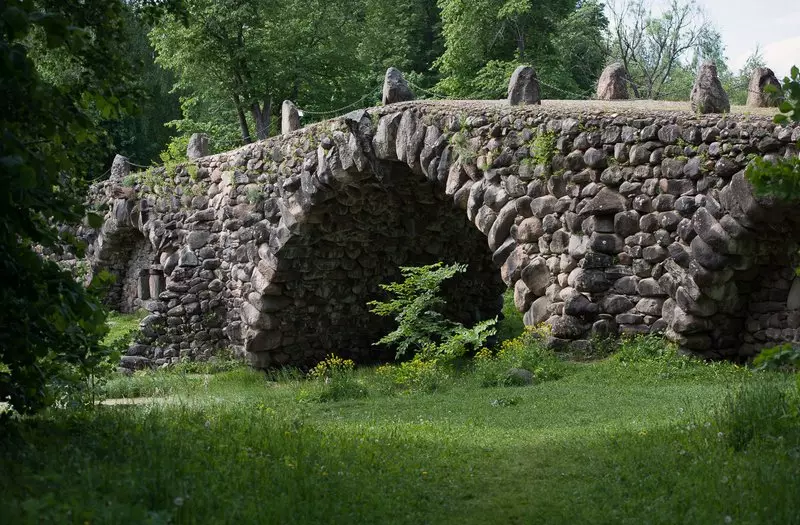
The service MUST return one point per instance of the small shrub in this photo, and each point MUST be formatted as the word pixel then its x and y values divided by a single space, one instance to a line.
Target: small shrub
pixel 462 147
pixel 421 326
pixel 254 196
pixel 222 361
pixel 781 357
pixel 332 379
pixel 417 375
pixel 526 352
pixel 511 325
pixel 544 147
pixel 330 367
pixel 645 349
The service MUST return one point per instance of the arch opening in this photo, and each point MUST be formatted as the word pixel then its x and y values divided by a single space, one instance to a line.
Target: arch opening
pixel 348 245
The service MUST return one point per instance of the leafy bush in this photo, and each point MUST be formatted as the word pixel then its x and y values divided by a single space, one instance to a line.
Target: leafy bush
pixel 526 352
pixel 52 137
pixel 645 349
pixel 332 379
pixel 780 357
pixel 421 327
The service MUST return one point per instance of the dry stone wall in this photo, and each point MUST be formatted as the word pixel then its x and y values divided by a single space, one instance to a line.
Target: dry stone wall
pixel 602 221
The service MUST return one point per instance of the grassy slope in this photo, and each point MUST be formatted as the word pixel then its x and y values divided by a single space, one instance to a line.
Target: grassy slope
pixel 605 444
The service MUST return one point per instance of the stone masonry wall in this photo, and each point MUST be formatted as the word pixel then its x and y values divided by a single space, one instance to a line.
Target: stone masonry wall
pixel 603 220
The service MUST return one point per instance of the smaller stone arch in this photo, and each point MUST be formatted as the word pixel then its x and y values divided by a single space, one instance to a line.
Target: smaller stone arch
pixel 122 249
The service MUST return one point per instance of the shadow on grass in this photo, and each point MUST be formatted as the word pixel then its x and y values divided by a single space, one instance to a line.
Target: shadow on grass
pixel 261 461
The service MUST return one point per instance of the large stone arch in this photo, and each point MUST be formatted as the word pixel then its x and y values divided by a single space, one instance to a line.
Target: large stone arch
pixel 343 231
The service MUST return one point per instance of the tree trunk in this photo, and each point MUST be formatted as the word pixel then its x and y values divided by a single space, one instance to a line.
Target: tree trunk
pixel 262 117
pixel 245 129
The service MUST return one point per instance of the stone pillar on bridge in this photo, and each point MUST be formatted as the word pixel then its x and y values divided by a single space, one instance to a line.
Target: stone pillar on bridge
pixel 290 117
pixel 395 87
pixel 756 96
pixel 524 87
pixel 613 83
pixel 120 168
pixel 708 96
pixel 198 146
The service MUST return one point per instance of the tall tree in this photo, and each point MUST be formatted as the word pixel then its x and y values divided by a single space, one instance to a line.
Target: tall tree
pixel 486 39
pixel 652 47
pixel 250 54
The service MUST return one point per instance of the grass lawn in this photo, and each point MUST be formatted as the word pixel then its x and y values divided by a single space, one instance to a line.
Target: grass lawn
pixel 609 442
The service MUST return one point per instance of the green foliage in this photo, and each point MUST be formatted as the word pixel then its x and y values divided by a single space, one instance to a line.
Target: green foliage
pixel 52 138
pixel 421 327
pixel 175 151
pixel 485 40
pixel 511 325
pixel 544 147
pixel 779 357
pixel 656 47
pixel 526 352
pixel 462 147
pixel 790 105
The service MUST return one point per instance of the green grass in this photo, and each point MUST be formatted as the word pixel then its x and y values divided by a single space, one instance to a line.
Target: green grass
pixel 511 325
pixel 120 326
pixel 623 440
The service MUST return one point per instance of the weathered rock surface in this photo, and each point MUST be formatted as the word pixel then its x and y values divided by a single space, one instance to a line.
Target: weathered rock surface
pixel 395 88
pixel 290 117
pixel 524 87
pixel 757 96
pixel 198 146
pixel 707 94
pixel 613 83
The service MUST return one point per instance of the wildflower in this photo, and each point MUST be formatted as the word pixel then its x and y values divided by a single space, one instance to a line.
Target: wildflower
pixel 720 435
pixel 728 519
pixel 178 501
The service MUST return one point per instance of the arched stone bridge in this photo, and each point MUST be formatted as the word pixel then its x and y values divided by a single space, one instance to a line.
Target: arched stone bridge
pixel 604 217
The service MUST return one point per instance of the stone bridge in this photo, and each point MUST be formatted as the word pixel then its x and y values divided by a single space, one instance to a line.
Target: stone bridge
pixel 605 217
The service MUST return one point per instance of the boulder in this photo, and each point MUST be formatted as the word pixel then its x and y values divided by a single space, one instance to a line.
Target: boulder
pixel 606 202
pixel 536 276
pixel 395 88
pixel 524 87
pixel 613 83
pixel 538 313
pixel 707 94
